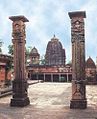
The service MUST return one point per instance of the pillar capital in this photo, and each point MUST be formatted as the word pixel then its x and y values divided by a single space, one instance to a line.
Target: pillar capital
pixel 81 14
pixel 18 26
pixel 18 18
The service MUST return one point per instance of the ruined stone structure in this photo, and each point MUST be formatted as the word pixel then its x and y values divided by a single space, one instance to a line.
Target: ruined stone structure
pixel 5 73
pixel 90 69
pixel 20 97
pixel 34 56
pixel 55 54
pixel 78 60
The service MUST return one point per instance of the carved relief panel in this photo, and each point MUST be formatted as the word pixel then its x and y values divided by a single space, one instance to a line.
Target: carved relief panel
pixel 18 29
pixel 77 27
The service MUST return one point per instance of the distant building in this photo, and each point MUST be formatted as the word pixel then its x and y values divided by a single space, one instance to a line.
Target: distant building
pixel 55 54
pixel 90 71
pixel 55 68
pixel 34 56
pixel 5 74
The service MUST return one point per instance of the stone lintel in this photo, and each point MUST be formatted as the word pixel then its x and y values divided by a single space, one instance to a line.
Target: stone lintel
pixel 17 18
pixel 77 14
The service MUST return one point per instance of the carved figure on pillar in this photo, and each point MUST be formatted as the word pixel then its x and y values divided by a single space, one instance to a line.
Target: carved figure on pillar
pixel 20 97
pixel 78 60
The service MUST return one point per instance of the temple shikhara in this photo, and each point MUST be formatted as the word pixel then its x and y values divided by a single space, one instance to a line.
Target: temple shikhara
pixel 55 54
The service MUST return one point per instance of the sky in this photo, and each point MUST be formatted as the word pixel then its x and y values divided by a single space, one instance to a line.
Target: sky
pixel 46 18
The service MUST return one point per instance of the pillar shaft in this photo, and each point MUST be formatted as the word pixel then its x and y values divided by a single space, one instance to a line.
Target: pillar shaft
pixel 78 60
pixel 20 97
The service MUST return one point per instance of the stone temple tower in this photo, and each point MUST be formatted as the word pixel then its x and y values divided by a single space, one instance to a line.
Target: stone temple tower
pixel 55 54
pixel 78 60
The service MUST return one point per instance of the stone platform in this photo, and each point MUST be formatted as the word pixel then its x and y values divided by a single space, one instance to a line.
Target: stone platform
pixel 50 101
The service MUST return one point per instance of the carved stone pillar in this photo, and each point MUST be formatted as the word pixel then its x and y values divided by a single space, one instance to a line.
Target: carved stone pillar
pixel 20 97
pixel 78 60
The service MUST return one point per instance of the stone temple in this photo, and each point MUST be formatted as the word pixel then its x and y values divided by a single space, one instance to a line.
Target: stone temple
pixel 34 56
pixel 90 71
pixel 55 54
pixel 55 68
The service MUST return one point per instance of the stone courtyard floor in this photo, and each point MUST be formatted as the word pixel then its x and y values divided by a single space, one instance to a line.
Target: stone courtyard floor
pixel 50 101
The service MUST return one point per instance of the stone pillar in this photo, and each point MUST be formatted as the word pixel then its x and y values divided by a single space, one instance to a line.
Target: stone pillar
pixel 44 77
pixel 20 95
pixel 67 77
pixel 78 100
pixel 59 77
pixel 51 77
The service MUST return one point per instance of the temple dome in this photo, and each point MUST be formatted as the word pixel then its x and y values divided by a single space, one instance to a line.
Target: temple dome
pixel 55 42
pixel 34 51
pixel 90 63
pixel 54 39
pixel 34 56
pixel 55 54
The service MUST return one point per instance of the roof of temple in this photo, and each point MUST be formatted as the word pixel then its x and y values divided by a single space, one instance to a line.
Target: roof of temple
pixel 54 43
pixel 90 63
pixel 55 54
pixel 34 51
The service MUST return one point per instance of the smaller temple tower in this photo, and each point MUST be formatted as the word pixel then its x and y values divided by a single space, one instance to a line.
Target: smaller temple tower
pixel 90 71
pixel 34 56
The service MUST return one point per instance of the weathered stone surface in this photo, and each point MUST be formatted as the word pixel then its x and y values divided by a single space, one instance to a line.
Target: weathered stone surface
pixel 20 97
pixel 34 56
pixel 90 69
pixel 78 60
pixel 55 54
pixel 50 101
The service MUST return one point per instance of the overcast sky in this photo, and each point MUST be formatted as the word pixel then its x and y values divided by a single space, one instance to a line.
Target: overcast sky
pixel 46 18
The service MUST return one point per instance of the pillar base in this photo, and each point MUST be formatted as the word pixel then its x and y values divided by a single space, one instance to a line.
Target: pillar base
pixel 19 102
pixel 78 104
pixel 20 94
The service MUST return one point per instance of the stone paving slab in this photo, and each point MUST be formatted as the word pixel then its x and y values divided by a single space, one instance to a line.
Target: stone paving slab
pixel 50 101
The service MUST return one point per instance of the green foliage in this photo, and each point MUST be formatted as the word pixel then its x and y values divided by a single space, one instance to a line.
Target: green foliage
pixel 27 53
pixel 1 46
pixel 42 60
pixel 10 49
pixel 69 62
pixel 0 50
pixel 9 66
pixel 28 49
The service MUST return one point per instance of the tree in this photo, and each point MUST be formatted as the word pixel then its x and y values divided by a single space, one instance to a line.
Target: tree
pixel 27 53
pixel 10 49
pixel 1 46
pixel 42 60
